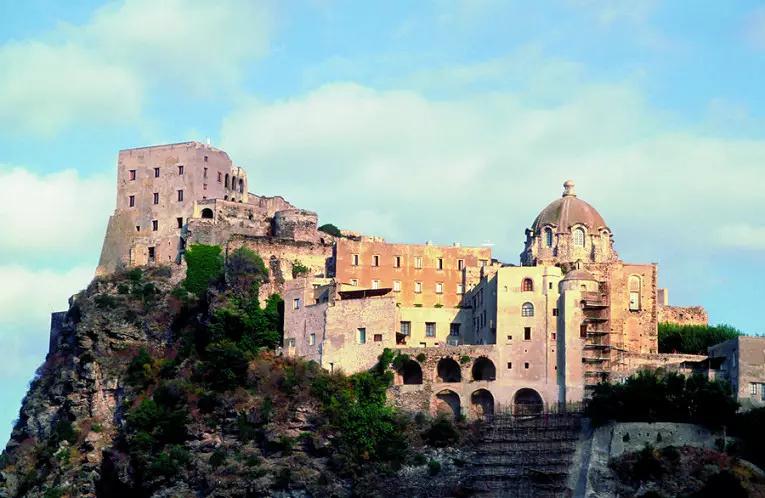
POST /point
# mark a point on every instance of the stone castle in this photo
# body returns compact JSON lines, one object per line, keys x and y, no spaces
{"x":478,"y":333}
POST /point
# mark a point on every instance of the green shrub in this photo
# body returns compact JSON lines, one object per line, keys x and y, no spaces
{"x":330,"y":229}
{"x":96,"y":428}
{"x":458,"y":462}
{"x":135,"y":275}
{"x":283,"y":478}
{"x":105,"y":301}
{"x":123,"y":289}
{"x":418,"y":305}
{"x":253,"y":460}
{"x":421,"y":357}
{"x":64,"y":456}
{"x":438,"y":305}
{"x":299,"y":269}
{"x":419,"y":459}
{"x":245,"y":270}
{"x":54,"y":493}
{"x":442,"y":433}
{"x":217,"y":459}
{"x":287,"y":444}
{"x":693,"y":339}
{"x":400,"y":360}
{"x":465,"y":359}
{"x":63,"y":431}
{"x":434,"y":467}
{"x":204,"y":267}
{"x":168,"y":463}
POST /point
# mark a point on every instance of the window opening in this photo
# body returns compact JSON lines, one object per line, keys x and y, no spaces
{"x":527,"y":309}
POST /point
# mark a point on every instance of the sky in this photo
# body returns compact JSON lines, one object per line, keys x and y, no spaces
{"x":415,"y":120}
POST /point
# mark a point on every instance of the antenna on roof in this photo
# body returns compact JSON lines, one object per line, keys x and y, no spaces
{"x":208,"y":141}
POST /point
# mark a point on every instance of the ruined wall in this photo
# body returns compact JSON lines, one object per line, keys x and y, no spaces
{"x":628,"y":364}
{"x":269,"y":205}
{"x":296,"y":224}
{"x":683,"y":315}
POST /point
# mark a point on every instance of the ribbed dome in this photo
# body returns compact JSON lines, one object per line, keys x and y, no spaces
{"x":567,"y":211}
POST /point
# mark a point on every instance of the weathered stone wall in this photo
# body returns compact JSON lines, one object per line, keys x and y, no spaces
{"x":683,"y":315}
{"x":629,"y":363}
{"x":742,"y":364}
{"x":296,"y":224}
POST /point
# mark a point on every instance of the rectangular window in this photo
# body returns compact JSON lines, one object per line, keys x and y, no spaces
{"x":484,"y":263}
{"x":180,"y":222}
{"x":132,"y":174}
{"x":555,"y":311}
{"x":440,"y":263}
{"x":418,"y":287}
{"x":204,"y":186}
{"x":296,"y":303}
{"x":430,"y":329}
{"x":439,"y":288}
{"x":180,"y":169}
{"x":137,"y":229}
{"x":378,"y":338}
{"x":551,"y":285}
{"x":454,"y":329}
{"x":375,"y":284}
{"x":634,"y":301}
{"x":509,"y":365}
{"x":526,"y":333}
{"x":156,"y":197}
{"x":204,"y":175}
{"x":180,"y":196}
{"x":460,"y":264}
{"x":397,"y":262}
{"x":753,"y":389}
{"x":154,"y":225}
{"x":156,"y":172}
{"x":460,"y":289}
{"x":762,"y":392}
{"x":205,"y":158}
{"x":220,"y":177}
{"x":397,"y":286}
{"x":312,"y":340}
{"x":552,"y":335}
{"x":375,"y":260}
{"x":354,"y":282}
{"x":361,"y":336}
{"x":526,"y":366}
{"x":152,"y":255}
{"x":583,"y":330}
{"x":291,"y":343}
{"x":131,"y":201}
{"x":418,"y":262}
{"x":406,"y":328}
{"x":355,"y":260}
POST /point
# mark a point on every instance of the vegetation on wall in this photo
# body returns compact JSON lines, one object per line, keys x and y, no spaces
{"x":299,"y":269}
{"x":330,"y":229}
{"x":205,"y":267}
{"x":656,"y":397}
{"x":693,"y":339}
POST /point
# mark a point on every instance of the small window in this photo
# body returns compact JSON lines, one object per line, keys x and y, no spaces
{"x":439,"y":288}
{"x":375,"y":260}
{"x":397,"y":262}
{"x":361,"y":336}
{"x":527,"y":285}
{"x":378,"y":338}
{"x":484,"y":263}
{"x":227,"y":180}
{"x":152,"y":255}
{"x":509,"y":338}
{"x":296,"y":303}
{"x":204,"y":186}
{"x":156,"y":172}
{"x":509,"y":365}
{"x":548,"y":237}
{"x":205,"y":158}
{"x":551,"y":284}
{"x":552,"y":336}
{"x":430,"y":329}
{"x":180,"y":169}
{"x":137,"y":228}
{"x":204,"y":174}
{"x":355,"y":260}
{"x":583,"y":330}
{"x":555,"y":311}
{"x":526,"y":333}
{"x":527,"y":309}
{"x":460,"y":289}
{"x":180,"y":196}
{"x":354,"y":282}
{"x":397,"y":286}
{"x":418,"y":287}
{"x":634,"y":301}
{"x":753,"y":389}
{"x":156,"y":197}
{"x":291,"y":343}
{"x":454,"y":329}
{"x":220,"y":177}
{"x":460,"y":264}
{"x":406,"y":328}
{"x":180,"y":222}
{"x":241,"y":186}
{"x":578,"y":237}
{"x":131,"y":201}
{"x":154,"y":225}
{"x":440,"y":263}
{"x":312,"y":340}
{"x":418,"y":262}
{"x":132,"y":175}
{"x":375,"y":284}
{"x":526,"y":366}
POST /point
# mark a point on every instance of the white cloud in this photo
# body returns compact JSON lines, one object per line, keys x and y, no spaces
{"x":400,"y":165}
{"x":56,"y":214}
{"x":99,"y":72}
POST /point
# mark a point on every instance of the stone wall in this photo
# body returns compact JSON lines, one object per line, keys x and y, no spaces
{"x":296,"y":224}
{"x":629,"y":363}
{"x":683,"y":315}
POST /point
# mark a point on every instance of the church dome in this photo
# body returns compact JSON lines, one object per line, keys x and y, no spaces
{"x":579,"y":275}
{"x":568,"y":211}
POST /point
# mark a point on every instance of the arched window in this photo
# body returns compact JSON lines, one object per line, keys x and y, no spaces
{"x":634,"y":290}
{"x":233,"y":183}
{"x":207,"y":213}
{"x":227,"y":177}
{"x":548,"y":237}
{"x":527,"y":309}
{"x":527,"y":285}
{"x":579,"y":237}
{"x":241,"y":186}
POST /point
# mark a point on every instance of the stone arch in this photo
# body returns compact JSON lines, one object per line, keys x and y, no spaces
{"x":527,"y":402}
{"x":225,"y":197}
{"x":481,"y":403}
{"x":448,"y":403}
{"x":412,"y":372}
{"x":484,"y":369}
{"x":207,"y":213}
{"x":227,"y":180}
{"x":449,"y":370}
{"x":241,"y":186}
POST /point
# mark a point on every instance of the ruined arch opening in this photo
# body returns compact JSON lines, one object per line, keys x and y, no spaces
{"x":241,"y":186}
{"x":527,"y":402}
{"x":207,"y":213}
{"x":448,"y":403}
{"x":484,"y":369}
{"x":412,"y":373}
{"x":227,"y":180}
{"x":482,"y":403}
{"x":449,"y":370}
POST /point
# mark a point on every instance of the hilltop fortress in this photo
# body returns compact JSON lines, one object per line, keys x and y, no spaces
{"x":478,"y":333}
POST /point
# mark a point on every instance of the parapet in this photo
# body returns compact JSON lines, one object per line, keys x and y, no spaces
{"x":296,"y":224}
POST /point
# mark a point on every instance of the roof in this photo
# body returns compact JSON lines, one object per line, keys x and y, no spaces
{"x":362,"y":293}
{"x":579,"y":275}
{"x":567,"y":211}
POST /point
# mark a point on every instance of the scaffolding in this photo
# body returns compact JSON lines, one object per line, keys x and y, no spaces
{"x":599,"y":351}
{"x":526,"y":455}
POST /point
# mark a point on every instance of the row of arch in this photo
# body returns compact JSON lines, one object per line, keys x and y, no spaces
{"x":525,"y":402}
{"x":578,"y":232}
{"x":233,"y":183}
{"x":448,"y":370}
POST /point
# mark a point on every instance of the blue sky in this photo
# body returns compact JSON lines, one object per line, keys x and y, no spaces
{"x":444,"y":120}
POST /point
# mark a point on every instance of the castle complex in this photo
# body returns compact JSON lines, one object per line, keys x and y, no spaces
{"x":476,"y":333}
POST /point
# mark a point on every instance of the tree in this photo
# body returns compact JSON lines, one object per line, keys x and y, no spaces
{"x":245,"y":270}
{"x":204,"y":267}
{"x":693,"y":339}
{"x":330,"y":229}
